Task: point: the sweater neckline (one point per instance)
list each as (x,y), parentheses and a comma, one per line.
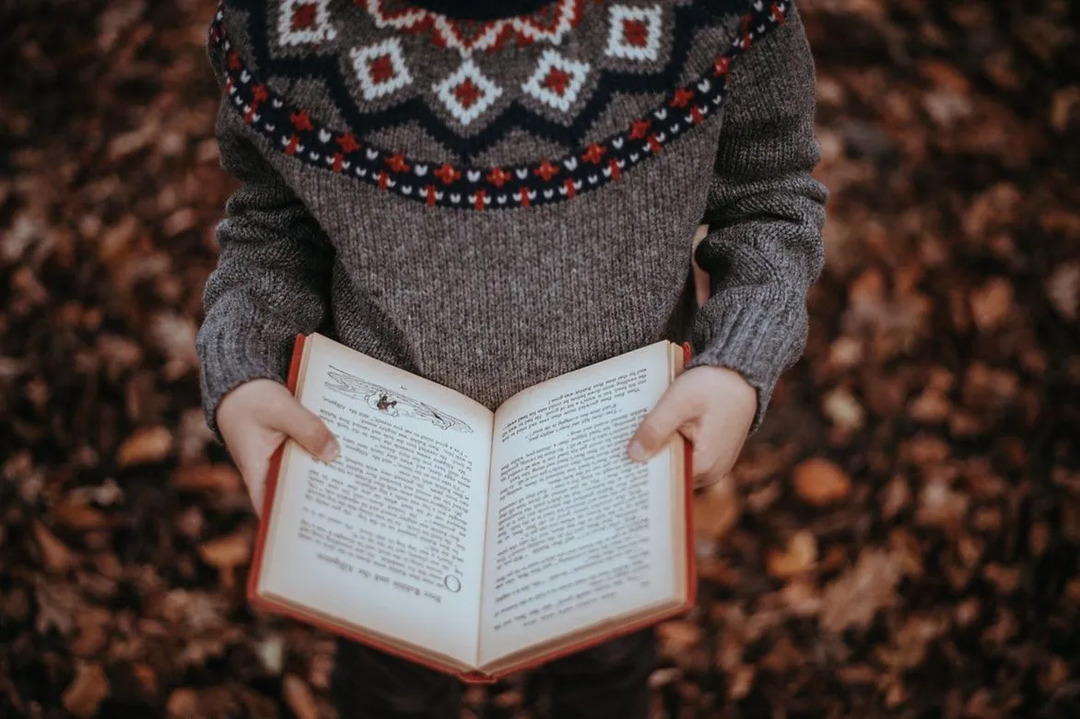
(480,10)
(352,145)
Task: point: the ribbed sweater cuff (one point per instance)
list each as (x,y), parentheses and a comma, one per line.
(234,352)
(759,339)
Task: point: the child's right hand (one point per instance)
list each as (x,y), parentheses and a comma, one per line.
(255,418)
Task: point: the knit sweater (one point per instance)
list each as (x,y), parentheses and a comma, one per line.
(493,200)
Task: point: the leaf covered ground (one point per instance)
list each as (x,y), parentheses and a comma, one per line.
(899,540)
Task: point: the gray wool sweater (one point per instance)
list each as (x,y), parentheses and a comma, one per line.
(492,201)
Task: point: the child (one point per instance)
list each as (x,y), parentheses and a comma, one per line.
(493,193)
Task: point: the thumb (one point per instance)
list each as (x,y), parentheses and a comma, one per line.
(670,412)
(302,425)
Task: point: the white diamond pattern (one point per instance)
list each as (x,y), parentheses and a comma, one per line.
(303,22)
(557,81)
(380,68)
(467,93)
(634,33)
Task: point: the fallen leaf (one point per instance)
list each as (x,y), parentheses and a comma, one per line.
(146,445)
(678,636)
(852,599)
(183,703)
(55,554)
(843,410)
(1063,289)
(299,698)
(226,553)
(991,303)
(716,509)
(87,691)
(79,516)
(220,478)
(820,482)
(940,506)
(797,558)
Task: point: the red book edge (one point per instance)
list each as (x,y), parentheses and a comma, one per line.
(473,677)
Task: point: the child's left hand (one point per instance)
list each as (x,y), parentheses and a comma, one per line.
(713,407)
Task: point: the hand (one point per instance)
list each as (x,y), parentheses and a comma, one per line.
(255,418)
(713,407)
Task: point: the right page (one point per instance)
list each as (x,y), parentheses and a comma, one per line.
(577,533)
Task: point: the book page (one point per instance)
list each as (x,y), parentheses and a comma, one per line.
(577,532)
(390,535)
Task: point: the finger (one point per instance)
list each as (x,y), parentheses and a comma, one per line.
(302,425)
(710,473)
(673,409)
(706,456)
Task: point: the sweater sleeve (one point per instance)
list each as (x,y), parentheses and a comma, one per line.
(272,277)
(765,214)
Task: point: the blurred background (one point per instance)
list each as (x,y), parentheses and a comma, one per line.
(899,540)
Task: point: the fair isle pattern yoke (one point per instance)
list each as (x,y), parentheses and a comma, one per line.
(633,34)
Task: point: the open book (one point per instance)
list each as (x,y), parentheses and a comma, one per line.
(473,542)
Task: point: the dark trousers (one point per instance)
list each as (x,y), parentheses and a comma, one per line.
(609,680)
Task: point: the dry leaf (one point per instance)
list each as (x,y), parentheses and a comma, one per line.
(716,509)
(220,478)
(841,407)
(147,444)
(798,558)
(299,698)
(1063,289)
(678,636)
(87,691)
(990,304)
(226,553)
(55,554)
(79,516)
(853,599)
(820,482)
(940,506)
(183,703)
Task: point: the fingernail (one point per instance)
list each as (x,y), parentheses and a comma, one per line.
(636,450)
(330,450)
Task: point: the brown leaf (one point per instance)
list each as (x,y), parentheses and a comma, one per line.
(940,506)
(716,509)
(895,498)
(55,554)
(183,704)
(87,691)
(742,681)
(910,642)
(220,478)
(678,636)
(853,599)
(799,556)
(843,410)
(299,697)
(820,482)
(1063,289)
(1055,674)
(146,677)
(147,444)
(1065,108)
(801,597)
(93,631)
(1005,579)
(991,303)
(226,553)
(79,516)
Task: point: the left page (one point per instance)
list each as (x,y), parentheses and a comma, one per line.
(389,536)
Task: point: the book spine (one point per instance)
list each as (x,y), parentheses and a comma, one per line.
(691,554)
(271,484)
